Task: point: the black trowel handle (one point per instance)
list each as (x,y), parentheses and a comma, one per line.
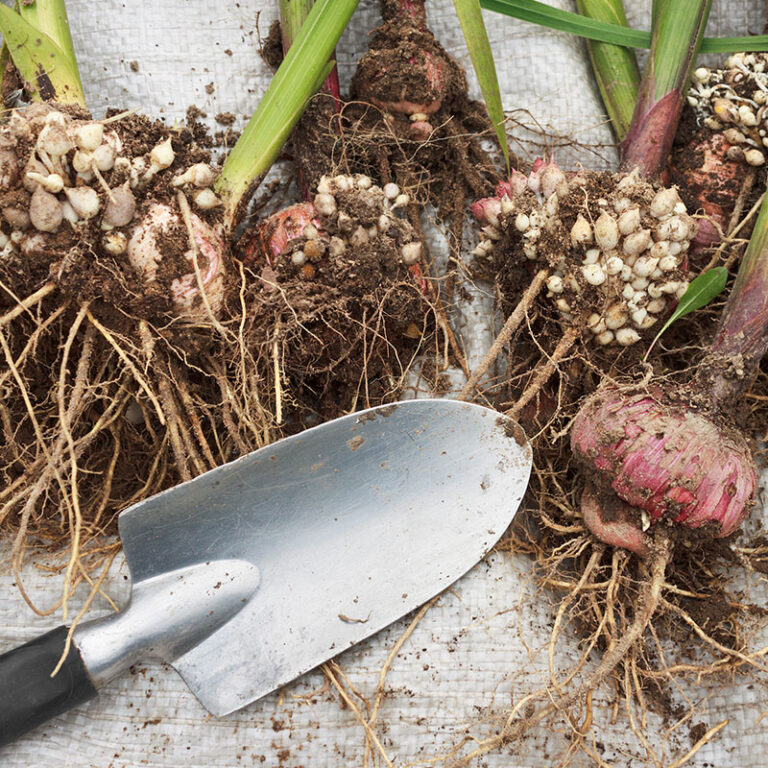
(29,695)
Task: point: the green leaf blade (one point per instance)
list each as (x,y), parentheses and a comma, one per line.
(479,47)
(701,291)
(615,66)
(49,71)
(298,77)
(605,32)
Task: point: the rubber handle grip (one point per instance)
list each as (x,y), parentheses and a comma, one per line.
(29,695)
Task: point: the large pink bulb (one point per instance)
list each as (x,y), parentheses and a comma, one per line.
(664,459)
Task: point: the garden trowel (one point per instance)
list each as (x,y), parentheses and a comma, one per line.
(263,568)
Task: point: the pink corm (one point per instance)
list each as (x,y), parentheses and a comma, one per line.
(645,455)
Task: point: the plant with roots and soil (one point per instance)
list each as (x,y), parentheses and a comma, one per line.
(639,488)
(139,349)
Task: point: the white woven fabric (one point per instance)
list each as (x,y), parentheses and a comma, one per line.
(480,646)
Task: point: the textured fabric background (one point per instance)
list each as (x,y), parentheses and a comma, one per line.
(482,642)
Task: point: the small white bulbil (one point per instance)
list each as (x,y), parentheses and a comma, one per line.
(483,248)
(555,283)
(654,291)
(82,161)
(359,237)
(529,249)
(627,336)
(754,157)
(345,222)
(626,272)
(660,249)
(592,256)
(507,206)
(88,136)
(628,291)
(552,205)
(344,183)
(675,228)
(668,264)
(522,222)
(391,190)
(491,233)
(336,246)
(324,186)
(645,265)
(325,204)
(491,211)
(640,283)
(622,204)
(68,212)
(615,316)
(563,305)
(551,178)
(734,136)
(604,338)
(606,232)
(637,242)
(419,117)
(51,182)
(84,201)
(747,116)
(581,231)
(596,323)
(670,287)
(656,305)
(162,154)
(120,209)
(664,203)
(701,74)
(115,242)
(104,157)
(594,274)
(363,182)
(629,221)
(9,168)
(713,123)
(17,217)
(298,258)
(614,265)
(310,232)
(411,252)
(384,223)
(725,111)
(401,200)
(53,140)
(681,289)
(675,249)
(45,212)
(199,175)
(638,316)
(205,199)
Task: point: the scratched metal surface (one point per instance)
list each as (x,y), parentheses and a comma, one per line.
(481,645)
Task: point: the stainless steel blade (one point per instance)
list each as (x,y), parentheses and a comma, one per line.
(331,535)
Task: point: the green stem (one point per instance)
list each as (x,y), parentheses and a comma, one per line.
(615,67)
(40,44)
(293,13)
(675,41)
(742,335)
(50,17)
(301,73)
